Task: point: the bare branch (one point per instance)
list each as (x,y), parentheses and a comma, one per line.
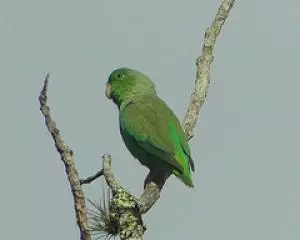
(67,157)
(203,63)
(150,195)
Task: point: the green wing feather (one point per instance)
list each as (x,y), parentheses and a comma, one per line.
(156,130)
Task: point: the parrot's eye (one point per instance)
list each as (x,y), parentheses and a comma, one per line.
(120,75)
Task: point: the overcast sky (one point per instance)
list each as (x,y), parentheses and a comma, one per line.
(246,147)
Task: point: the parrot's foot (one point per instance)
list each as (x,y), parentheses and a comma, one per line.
(158,177)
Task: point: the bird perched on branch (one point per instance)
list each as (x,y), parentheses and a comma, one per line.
(149,128)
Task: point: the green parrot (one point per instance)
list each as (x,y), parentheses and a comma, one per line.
(149,128)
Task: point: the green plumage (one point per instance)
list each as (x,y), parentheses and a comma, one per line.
(149,128)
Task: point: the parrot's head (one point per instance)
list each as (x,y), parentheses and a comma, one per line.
(125,84)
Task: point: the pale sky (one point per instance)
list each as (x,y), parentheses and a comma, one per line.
(246,145)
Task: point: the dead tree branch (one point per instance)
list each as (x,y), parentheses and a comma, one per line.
(67,158)
(203,63)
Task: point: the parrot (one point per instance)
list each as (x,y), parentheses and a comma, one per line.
(149,128)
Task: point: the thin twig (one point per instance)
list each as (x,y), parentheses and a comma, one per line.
(91,178)
(67,157)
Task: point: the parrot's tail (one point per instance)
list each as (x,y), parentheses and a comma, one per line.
(184,178)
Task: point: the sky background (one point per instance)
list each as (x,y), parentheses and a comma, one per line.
(246,147)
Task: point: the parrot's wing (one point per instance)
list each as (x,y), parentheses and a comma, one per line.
(186,150)
(148,121)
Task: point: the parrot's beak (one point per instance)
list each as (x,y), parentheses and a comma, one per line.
(108,90)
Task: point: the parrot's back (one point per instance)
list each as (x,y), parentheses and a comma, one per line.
(153,135)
